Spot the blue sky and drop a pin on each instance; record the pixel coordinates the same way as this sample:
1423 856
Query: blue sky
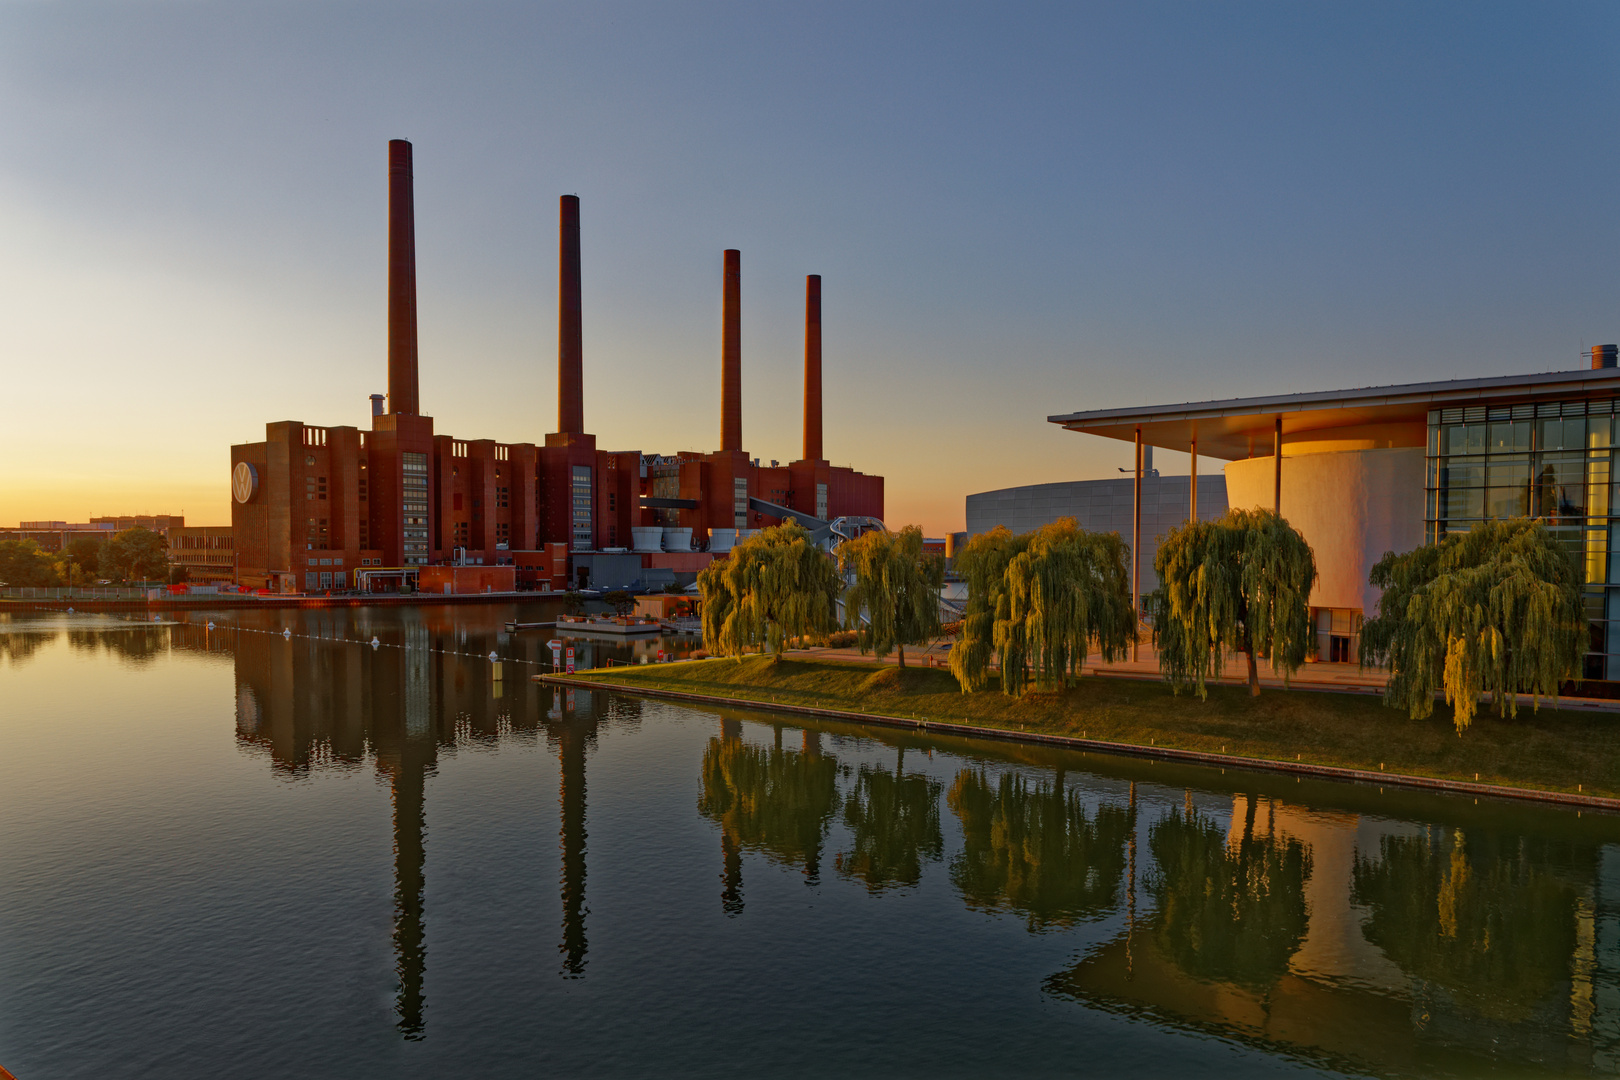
1016 210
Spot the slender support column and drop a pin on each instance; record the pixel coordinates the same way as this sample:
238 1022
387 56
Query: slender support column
1192 503
1136 545
1276 468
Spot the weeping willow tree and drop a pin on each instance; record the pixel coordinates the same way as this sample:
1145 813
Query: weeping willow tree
1241 583
774 585
1067 592
983 564
1039 603
1494 610
896 587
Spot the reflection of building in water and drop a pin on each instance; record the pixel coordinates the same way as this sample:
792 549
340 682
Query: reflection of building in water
1374 943
321 698
774 801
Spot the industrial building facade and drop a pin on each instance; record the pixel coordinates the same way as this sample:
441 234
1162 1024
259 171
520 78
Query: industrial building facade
1363 472
311 505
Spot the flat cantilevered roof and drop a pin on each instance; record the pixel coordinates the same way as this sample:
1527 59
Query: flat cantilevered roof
1235 428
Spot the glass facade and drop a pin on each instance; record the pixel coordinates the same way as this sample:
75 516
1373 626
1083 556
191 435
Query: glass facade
582 508
416 509
1552 461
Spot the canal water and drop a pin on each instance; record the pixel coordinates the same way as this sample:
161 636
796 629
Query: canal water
269 848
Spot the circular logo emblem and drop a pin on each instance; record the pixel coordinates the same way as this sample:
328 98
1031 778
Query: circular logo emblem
244 481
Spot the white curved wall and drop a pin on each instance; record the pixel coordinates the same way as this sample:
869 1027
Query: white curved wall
1351 506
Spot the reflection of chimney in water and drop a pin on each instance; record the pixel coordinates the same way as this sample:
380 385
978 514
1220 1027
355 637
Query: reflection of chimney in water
731 899
571 740
410 952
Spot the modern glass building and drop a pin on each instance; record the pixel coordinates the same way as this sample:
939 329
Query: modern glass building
1377 469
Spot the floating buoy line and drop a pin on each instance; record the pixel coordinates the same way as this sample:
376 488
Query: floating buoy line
286 634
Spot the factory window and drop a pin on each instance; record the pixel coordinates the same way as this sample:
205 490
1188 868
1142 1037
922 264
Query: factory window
821 501
739 502
501 499
415 468
582 508
311 580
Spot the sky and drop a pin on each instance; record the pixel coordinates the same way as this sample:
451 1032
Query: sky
1017 210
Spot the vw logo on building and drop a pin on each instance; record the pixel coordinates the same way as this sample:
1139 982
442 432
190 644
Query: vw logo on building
244 481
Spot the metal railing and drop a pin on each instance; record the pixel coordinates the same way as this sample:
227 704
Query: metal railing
99 592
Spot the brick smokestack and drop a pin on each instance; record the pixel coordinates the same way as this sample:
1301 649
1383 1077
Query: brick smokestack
812 368
402 391
570 338
731 355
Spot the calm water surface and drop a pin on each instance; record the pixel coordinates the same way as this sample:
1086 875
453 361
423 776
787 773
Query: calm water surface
231 852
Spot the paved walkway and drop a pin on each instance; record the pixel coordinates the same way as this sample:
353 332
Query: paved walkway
1323 676
1343 678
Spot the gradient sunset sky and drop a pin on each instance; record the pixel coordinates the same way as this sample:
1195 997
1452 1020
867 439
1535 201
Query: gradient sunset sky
1016 210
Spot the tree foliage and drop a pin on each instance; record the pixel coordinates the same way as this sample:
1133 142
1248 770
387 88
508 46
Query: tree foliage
983 563
136 555
896 586
1494 610
1241 583
774 585
85 552
1068 592
24 563
1040 603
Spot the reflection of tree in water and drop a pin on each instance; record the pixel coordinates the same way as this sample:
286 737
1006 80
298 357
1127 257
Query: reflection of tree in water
139 645
19 646
1485 920
1033 850
774 801
1231 910
894 825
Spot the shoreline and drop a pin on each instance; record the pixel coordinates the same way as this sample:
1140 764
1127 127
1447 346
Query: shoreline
1196 757
238 600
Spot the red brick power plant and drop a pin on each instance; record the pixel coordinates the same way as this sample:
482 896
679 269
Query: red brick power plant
312 506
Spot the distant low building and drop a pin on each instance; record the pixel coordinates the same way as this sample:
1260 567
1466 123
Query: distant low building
1100 506
208 553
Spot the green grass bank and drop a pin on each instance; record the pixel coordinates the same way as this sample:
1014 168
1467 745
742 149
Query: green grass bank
1545 750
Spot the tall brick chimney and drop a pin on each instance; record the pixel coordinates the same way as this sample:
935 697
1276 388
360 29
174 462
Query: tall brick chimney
812 368
570 340
731 355
402 389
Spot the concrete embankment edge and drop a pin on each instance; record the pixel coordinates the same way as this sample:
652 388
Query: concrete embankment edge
1163 753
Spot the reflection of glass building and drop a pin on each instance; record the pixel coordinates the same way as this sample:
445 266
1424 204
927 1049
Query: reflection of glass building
1426 948
1387 468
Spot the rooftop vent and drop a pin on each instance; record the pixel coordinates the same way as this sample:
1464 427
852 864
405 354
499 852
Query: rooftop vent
1603 356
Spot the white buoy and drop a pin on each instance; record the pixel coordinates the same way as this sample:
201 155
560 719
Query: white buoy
286 633
493 655
70 611
374 642
210 626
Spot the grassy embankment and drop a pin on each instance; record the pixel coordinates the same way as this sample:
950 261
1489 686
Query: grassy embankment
1549 750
